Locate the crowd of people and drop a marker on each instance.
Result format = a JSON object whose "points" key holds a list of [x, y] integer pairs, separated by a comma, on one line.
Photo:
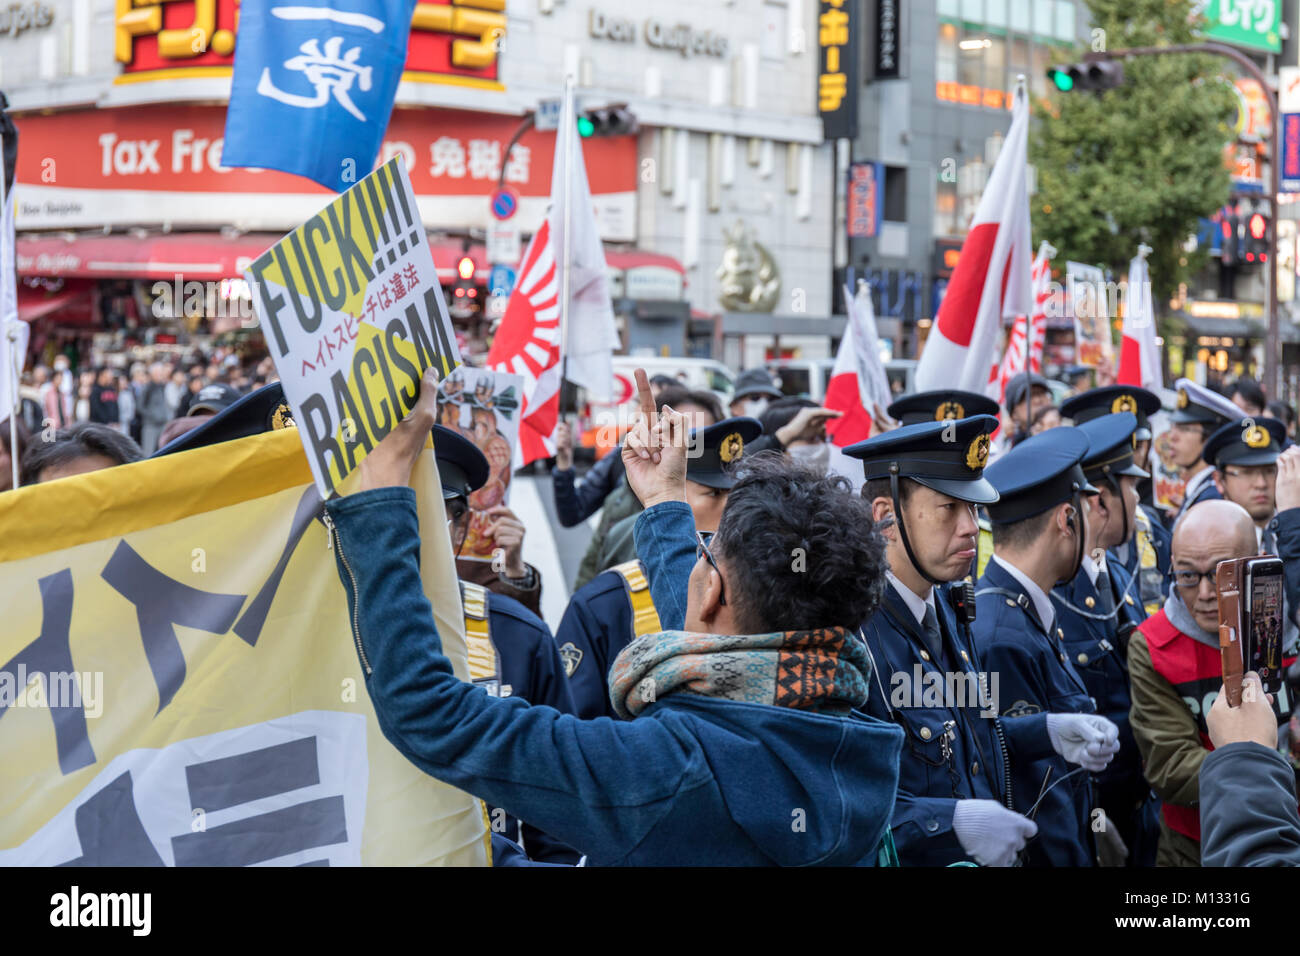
{"points": [[984, 644]]}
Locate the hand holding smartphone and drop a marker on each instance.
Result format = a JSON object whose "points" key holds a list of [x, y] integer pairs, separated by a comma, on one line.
{"points": [[1250, 622]]}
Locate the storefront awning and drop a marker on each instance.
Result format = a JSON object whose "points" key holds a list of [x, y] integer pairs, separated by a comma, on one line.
{"points": [[191, 255], [72, 301]]}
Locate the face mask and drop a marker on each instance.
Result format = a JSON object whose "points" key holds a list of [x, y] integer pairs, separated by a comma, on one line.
{"points": [[815, 456], [753, 407]]}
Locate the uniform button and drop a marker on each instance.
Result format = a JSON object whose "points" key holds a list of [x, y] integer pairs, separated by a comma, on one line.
{"points": [[975, 767], [925, 656], [932, 825], [1129, 599], [965, 657], [1083, 658], [1062, 656], [1090, 601], [1060, 634], [1010, 603], [925, 733]]}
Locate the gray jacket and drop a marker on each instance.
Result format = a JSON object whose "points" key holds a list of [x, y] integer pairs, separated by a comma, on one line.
{"points": [[1248, 808]]}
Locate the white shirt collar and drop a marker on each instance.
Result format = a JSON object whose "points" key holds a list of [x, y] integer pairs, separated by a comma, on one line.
{"points": [[915, 603], [1094, 568], [1042, 603], [1197, 480]]}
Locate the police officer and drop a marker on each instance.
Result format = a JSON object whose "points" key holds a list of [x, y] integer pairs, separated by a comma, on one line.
{"points": [[1146, 555], [1199, 412], [617, 605], [1097, 611], [954, 801], [511, 650], [1039, 537], [262, 410], [940, 405]]}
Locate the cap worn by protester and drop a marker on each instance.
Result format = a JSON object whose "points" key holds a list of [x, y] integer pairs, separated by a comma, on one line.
{"points": [[1019, 386], [462, 467], [1110, 400], [940, 405], [1039, 473], [719, 447], [260, 411], [213, 399], [1197, 404], [1247, 441], [1076, 371], [755, 381], [1111, 440], [946, 456]]}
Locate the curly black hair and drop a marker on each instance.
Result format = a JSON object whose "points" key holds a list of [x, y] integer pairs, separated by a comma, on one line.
{"points": [[800, 549]]}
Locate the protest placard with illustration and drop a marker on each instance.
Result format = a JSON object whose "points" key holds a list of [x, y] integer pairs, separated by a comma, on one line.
{"points": [[483, 405]]}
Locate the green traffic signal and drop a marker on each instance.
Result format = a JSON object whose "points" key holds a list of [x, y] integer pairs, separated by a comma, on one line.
{"points": [[585, 127], [1064, 82]]}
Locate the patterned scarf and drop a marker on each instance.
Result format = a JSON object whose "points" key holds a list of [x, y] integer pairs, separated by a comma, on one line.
{"points": [[824, 670]]}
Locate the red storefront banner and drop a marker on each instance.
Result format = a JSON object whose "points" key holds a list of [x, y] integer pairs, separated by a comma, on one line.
{"points": [[452, 41], [161, 164]]}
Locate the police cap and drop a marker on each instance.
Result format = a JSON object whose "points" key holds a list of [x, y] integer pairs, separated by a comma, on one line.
{"points": [[1110, 400], [1247, 441], [715, 450], [947, 456], [462, 468], [1111, 439], [259, 411], [1041, 472], [940, 405]]}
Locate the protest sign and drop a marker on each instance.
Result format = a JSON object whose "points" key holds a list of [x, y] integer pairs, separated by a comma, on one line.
{"points": [[179, 684], [483, 405], [1090, 307], [353, 314]]}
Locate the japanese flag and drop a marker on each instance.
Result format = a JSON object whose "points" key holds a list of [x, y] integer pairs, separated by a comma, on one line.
{"points": [[992, 278], [1139, 356]]}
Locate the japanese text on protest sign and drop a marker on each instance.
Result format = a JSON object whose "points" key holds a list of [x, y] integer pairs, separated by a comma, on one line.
{"points": [[353, 314]]}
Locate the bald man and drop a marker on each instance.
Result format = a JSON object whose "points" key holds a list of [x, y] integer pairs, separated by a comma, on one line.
{"points": [[1176, 671]]}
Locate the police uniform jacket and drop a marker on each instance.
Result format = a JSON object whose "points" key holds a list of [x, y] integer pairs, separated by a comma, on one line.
{"points": [[1149, 558], [955, 747], [1037, 677]]}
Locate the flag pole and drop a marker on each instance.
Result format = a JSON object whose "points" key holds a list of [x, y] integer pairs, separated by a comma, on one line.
{"points": [[567, 131], [11, 333], [1029, 316]]}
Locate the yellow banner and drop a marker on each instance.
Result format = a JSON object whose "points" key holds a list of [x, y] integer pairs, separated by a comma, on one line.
{"points": [[179, 683]]}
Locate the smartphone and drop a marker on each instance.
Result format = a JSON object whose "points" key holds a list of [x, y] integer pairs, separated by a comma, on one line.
{"points": [[1261, 650], [1250, 622]]}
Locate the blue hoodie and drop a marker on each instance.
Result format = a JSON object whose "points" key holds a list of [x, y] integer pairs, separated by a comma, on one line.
{"points": [[691, 781]]}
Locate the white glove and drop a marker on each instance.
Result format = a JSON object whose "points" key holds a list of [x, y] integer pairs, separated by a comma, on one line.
{"points": [[1089, 740], [990, 833]]}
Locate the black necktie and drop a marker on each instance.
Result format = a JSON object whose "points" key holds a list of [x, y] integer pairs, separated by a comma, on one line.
{"points": [[933, 640], [1105, 599]]}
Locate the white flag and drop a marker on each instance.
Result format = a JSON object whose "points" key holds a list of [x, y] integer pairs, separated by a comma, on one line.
{"points": [[591, 336]]}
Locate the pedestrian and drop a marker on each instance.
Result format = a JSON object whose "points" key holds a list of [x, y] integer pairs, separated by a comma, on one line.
{"points": [[768, 658], [75, 450], [155, 409], [752, 392], [104, 407]]}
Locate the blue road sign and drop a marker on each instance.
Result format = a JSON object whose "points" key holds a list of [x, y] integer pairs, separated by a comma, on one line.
{"points": [[505, 202], [501, 281]]}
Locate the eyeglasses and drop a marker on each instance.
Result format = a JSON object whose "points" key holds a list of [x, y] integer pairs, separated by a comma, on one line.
{"points": [[702, 539], [1192, 579], [457, 509]]}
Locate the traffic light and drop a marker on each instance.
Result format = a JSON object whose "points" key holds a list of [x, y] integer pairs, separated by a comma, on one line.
{"points": [[465, 293], [1091, 76], [615, 120], [1256, 235]]}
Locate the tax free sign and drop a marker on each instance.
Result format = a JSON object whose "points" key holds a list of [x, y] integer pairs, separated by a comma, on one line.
{"points": [[353, 314]]}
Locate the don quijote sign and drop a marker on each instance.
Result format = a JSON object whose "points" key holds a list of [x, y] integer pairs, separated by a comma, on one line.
{"points": [[679, 37]]}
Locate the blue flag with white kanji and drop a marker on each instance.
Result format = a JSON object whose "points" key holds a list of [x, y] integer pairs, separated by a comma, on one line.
{"points": [[314, 84]]}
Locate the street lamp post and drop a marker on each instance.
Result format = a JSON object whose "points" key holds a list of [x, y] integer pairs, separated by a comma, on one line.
{"points": [[1272, 350]]}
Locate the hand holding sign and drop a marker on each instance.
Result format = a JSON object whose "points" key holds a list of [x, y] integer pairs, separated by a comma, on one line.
{"points": [[390, 464], [654, 452]]}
